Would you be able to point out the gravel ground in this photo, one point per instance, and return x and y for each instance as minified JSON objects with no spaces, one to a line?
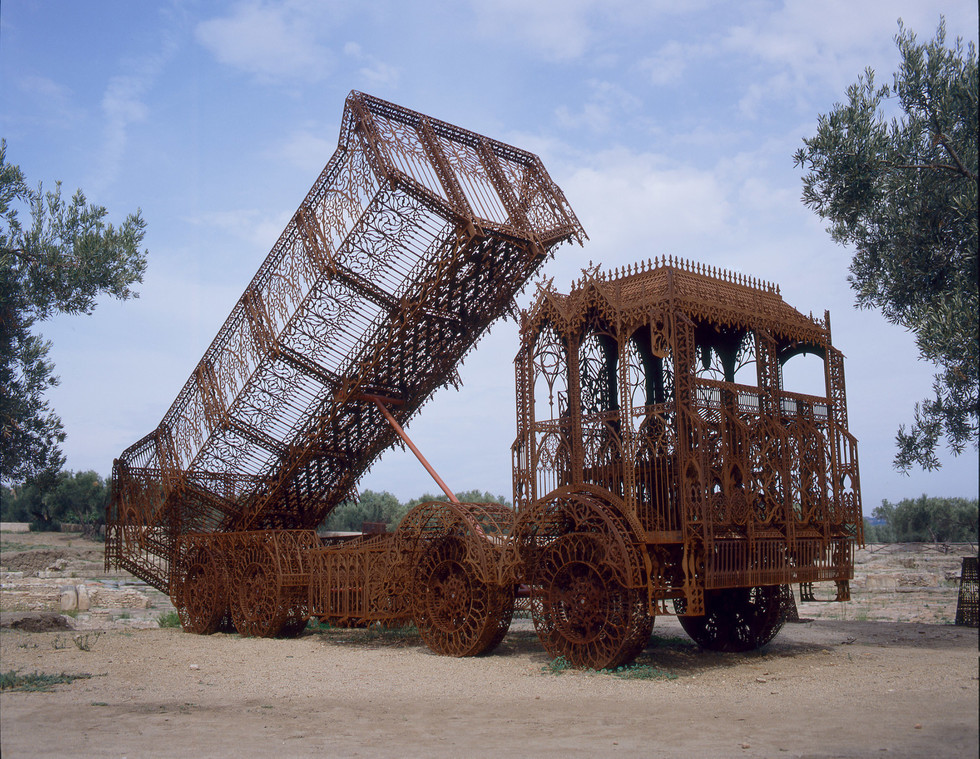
{"x":838,"y":686}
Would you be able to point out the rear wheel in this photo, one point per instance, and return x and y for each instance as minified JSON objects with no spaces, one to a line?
{"x":200,"y":597}
{"x":736,"y":619}
{"x":456,"y":611}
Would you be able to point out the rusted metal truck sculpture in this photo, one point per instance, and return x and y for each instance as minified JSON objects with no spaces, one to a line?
{"x":659,"y":466}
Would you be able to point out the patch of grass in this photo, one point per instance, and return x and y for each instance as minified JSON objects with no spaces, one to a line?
{"x":169,"y":619}
{"x":673,"y":641}
{"x":639,"y":672}
{"x":37,"y":681}
{"x":82,"y":641}
{"x":12,"y":545}
{"x":557,"y":666}
{"x":392,"y":633}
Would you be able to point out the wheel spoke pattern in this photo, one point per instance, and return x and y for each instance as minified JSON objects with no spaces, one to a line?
{"x":458,"y":613}
{"x":200,"y":597}
{"x":580,"y":608}
{"x":736,"y":619}
{"x":258,"y":607}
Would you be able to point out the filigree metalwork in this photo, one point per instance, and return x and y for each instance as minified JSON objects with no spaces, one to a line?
{"x":413,"y":240}
{"x":676,"y":409}
{"x":660,"y":461}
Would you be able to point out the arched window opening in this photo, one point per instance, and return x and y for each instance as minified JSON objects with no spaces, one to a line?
{"x":598,"y":357}
{"x":650,"y":377}
{"x":724,"y":354}
{"x":802,"y":371}
{"x":550,"y":368}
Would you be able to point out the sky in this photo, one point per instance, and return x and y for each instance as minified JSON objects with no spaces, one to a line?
{"x":670,"y":126}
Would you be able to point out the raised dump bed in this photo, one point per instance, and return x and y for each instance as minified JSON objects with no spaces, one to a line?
{"x":414,"y":238}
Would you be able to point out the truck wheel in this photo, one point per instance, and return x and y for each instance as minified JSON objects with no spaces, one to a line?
{"x":257,"y":608}
{"x":200,"y":598}
{"x":458,"y":613}
{"x":580,"y":608}
{"x":736,"y":619}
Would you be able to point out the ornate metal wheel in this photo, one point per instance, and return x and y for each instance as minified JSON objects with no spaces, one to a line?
{"x":258,"y":606}
{"x":736,"y":619}
{"x":200,"y":598}
{"x":581,"y":609}
{"x":456,"y":611}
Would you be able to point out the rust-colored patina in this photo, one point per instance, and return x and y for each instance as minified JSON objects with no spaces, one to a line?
{"x":660,"y":465}
{"x":413,"y":240}
{"x":660,"y":457}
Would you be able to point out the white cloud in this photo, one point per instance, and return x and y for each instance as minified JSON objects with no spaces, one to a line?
{"x":607,"y":102}
{"x":802,"y":46}
{"x":123,"y":104}
{"x":122,"y":101}
{"x":563,"y":30}
{"x":271,"y":42}
{"x":53,"y":99}
{"x":259,"y":228}
{"x":634,"y":205}
{"x":307,"y":150}
{"x":669,"y":63}
{"x":559,"y":29}
{"x":375,"y":73}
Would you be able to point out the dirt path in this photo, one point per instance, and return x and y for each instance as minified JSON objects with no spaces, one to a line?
{"x":855,"y":682}
{"x":825,"y":688}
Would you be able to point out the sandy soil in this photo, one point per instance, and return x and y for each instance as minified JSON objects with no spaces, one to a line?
{"x":838,"y":686}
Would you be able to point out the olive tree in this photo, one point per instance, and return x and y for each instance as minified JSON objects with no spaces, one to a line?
{"x":894,"y":171}
{"x":58,"y":261}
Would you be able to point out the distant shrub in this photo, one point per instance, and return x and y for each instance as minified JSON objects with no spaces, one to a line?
{"x":41,"y":525}
{"x":923,"y":520}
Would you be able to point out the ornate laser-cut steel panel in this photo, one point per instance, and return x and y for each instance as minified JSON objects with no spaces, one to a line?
{"x":415,"y":237}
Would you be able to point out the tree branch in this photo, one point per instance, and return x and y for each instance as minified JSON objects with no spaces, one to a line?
{"x":943,"y":140}
{"x":21,"y":254}
{"x":960,"y":169}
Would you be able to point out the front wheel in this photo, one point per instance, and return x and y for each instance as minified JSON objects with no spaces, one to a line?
{"x":580,"y":608}
{"x":257,"y":598}
{"x":736,"y":619}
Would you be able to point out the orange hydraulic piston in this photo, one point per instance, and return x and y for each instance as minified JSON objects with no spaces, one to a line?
{"x":418,"y":454}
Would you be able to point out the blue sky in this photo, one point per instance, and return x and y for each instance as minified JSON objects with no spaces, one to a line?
{"x":670,"y":126}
